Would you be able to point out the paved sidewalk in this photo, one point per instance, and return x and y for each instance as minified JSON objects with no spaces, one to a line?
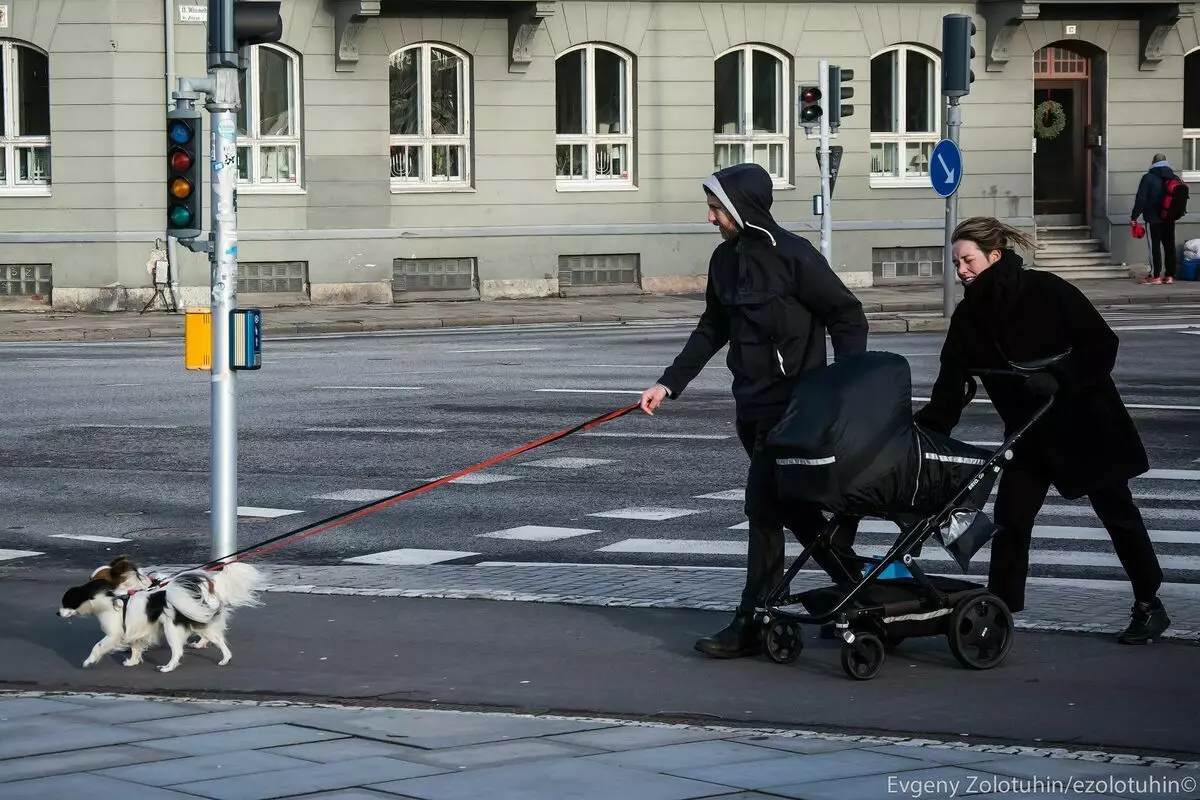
{"x":1095,"y":607}
{"x":61,"y":746}
{"x":892,"y":310}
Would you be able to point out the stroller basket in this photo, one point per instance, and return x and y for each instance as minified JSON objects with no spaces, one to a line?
{"x":849,"y":445}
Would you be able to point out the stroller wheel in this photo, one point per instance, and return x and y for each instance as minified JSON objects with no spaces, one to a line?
{"x":863,"y":659}
{"x":980,"y":631}
{"x":782,"y":641}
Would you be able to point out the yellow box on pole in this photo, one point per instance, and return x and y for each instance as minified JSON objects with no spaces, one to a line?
{"x":197,"y":339}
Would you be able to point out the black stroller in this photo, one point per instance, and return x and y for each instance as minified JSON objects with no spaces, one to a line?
{"x":849,"y":444}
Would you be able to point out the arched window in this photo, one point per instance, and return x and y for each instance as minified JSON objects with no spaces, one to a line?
{"x":24,"y":119}
{"x":268,"y":123}
{"x":593,"y":86}
{"x":752,"y":109}
{"x":905,"y":124}
{"x":430,"y":103}
{"x":1191,"y":116}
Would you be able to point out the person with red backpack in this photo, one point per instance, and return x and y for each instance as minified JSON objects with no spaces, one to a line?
{"x":1161,"y":200}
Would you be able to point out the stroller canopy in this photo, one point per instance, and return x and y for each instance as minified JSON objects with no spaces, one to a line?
{"x":848,"y":443}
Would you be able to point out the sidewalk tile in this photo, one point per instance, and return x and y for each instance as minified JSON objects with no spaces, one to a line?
{"x":940,"y":755}
{"x":19,"y":707}
{"x":578,"y":779}
{"x":630,"y":737}
{"x":433,"y":730}
{"x":123,"y":712}
{"x":792,"y":769}
{"x":333,"y":750}
{"x":199,"y":768}
{"x":801,"y":745}
{"x":83,"y":785}
{"x":685,"y":756}
{"x":929,"y":784}
{"x":497,"y":753}
{"x":315,"y":778}
{"x":54,"y":734}
{"x":19,"y":769}
{"x":228,"y":741}
{"x":220,"y":720}
{"x":357,"y":794}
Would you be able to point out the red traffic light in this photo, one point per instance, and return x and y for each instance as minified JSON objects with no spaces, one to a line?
{"x":180,"y":161}
{"x":811,"y":95}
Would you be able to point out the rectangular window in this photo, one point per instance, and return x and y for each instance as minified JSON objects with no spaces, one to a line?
{"x":268,"y":122}
{"x":751,"y":110}
{"x":429,"y":89}
{"x":905,"y":119}
{"x":24,"y":120}
{"x":1190,"y":165}
{"x":593,"y":111}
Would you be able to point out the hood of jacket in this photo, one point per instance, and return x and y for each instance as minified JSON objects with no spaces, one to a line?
{"x":746,"y":192}
{"x":1162,"y":169}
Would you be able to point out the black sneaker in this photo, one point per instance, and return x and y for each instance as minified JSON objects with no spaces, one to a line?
{"x":741,"y":638}
{"x":1147,"y":623}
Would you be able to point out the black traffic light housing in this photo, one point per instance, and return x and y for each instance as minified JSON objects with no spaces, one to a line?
{"x":810,"y":107}
{"x":252,"y":22}
{"x":839,"y":91}
{"x":957,"y":55}
{"x":185,"y":182}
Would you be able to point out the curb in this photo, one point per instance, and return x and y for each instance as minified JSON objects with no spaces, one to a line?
{"x":888,"y":324}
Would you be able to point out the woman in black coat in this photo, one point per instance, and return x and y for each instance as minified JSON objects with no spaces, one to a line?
{"x":1085,"y":445}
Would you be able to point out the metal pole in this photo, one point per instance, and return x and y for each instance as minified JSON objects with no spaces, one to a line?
{"x":222,"y":106}
{"x":826,"y":210}
{"x":953,"y":124}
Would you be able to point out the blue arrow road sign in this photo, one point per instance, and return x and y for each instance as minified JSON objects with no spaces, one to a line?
{"x":945,"y":168}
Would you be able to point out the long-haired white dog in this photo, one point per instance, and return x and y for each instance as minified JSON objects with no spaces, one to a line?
{"x":135,"y":613}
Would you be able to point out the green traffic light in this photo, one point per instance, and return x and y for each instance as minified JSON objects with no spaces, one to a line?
{"x":180,"y":216}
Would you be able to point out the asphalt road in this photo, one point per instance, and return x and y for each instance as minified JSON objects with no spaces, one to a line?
{"x":1052,"y":689}
{"x":104,"y":449}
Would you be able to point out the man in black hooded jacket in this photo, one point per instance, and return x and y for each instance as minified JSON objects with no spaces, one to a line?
{"x":771,"y":296}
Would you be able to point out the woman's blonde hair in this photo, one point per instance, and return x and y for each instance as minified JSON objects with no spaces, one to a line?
{"x":990,"y":234}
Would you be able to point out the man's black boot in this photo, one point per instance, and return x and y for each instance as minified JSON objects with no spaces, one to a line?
{"x":740,"y":639}
{"x":1147,"y":622}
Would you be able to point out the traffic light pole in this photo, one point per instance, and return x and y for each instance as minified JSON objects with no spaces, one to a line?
{"x":222,"y":107}
{"x":953,"y":127}
{"x":826,"y":204}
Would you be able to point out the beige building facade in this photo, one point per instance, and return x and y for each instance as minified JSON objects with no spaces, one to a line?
{"x":391,"y":151}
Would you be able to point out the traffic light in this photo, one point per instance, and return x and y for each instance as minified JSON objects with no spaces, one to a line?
{"x":252,"y":22}
{"x":957,"y":54}
{"x":185,"y":132}
{"x":810,"y":107}
{"x":839,"y":91}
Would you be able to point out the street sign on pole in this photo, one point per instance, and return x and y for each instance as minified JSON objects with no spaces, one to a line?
{"x":945,"y":168}
{"x":835,"y":163}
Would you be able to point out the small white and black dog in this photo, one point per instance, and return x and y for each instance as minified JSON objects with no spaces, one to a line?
{"x":135,"y":613}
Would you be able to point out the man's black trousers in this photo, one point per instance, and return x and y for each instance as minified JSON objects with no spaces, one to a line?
{"x":1162,"y":249}
{"x":1023,"y":489}
{"x":768,"y":517}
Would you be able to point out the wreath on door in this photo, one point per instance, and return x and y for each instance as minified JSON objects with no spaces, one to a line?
{"x":1049,"y":120}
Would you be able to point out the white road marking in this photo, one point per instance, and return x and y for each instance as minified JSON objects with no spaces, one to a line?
{"x":728,"y":494}
{"x":89,"y":538}
{"x":268,"y":513}
{"x":500,"y":350}
{"x":9,"y":555}
{"x":633,"y":435}
{"x":356,"y":495}
{"x":1073,"y":532}
{"x":1148,"y":406}
{"x":537,"y":533}
{"x":479,"y":478}
{"x":1171,"y":475}
{"x":616,"y":366}
{"x":375,"y":430}
{"x":655,"y":513}
{"x":567,"y":463}
{"x":591,"y":391}
{"x":932,"y":553}
{"x":123,"y":426}
{"x":373,"y":388}
{"x":1163,"y":327}
{"x":118,"y":385}
{"x":407,"y":557}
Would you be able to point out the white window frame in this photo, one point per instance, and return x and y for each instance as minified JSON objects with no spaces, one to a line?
{"x":255,"y":141}
{"x":746,"y":112}
{"x":591,"y":140}
{"x":427,"y":141}
{"x":902,"y":138}
{"x":1191,"y":136}
{"x":10,"y":143}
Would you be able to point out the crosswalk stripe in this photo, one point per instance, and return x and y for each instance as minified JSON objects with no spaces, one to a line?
{"x":1057,"y":532}
{"x":932,"y":553}
{"x":9,"y":555}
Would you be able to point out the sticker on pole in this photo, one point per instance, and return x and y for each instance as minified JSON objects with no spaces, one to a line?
{"x":945,"y":168}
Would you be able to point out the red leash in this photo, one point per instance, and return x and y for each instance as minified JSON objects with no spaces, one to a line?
{"x":320,"y":526}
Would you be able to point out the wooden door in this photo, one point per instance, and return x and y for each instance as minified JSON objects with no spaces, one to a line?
{"x":1060,"y":169}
